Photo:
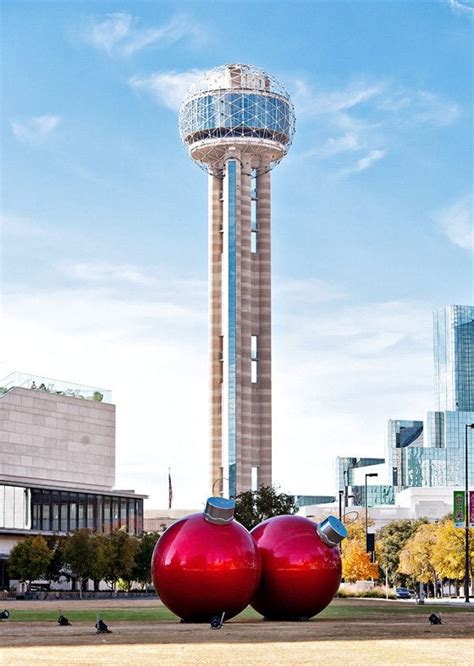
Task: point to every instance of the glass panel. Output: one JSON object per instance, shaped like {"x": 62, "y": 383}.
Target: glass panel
{"x": 73, "y": 516}
{"x": 55, "y": 516}
{"x": 123, "y": 512}
{"x": 139, "y": 513}
{"x": 63, "y": 513}
{"x": 81, "y": 512}
{"x": 115, "y": 514}
{"x": 90, "y": 512}
{"x": 131, "y": 517}
{"x": 46, "y": 517}
{"x": 107, "y": 515}
{"x": 99, "y": 520}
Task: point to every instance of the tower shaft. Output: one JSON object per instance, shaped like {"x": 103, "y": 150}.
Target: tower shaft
{"x": 240, "y": 327}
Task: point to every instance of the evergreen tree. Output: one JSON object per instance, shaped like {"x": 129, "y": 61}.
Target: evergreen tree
{"x": 254, "y": 506}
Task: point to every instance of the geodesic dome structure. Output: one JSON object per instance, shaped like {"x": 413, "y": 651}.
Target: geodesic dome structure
{"x": 237, "y": 110}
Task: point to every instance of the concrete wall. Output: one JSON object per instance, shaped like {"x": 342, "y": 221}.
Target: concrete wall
{"x": 58, "y": 440}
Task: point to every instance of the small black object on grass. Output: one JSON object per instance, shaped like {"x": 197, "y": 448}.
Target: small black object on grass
{"x": 435, "y": 619}
{"x": 4, "y": 615}
{"x": 217, "y": 622}
{"x": 63, "y": 621}
{"x": 102, "y": 628}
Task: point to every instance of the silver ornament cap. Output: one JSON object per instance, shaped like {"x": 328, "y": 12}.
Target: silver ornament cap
{"x": 331, "y": 531}
{"x": 219, "y": 510}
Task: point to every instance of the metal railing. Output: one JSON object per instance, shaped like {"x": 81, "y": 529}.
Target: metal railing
{"x": 57, "y": 386}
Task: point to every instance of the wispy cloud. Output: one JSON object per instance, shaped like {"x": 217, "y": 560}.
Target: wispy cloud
{"x": 36, "y": 128}
{"x": 456, "y": 222}
{"x": 364, "y": 116}
{"x": 102, "y": 271}
{"x": 366, "y": 162}
{"x": 309, "y": 101}
{"x": 459, "y": 7}
{"x": 167, "y": 88}
{"x": 419, "y": 107}
{"x": 120, "y": 33}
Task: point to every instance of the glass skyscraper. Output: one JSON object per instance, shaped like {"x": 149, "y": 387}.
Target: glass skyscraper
{"x": 453, "y": 346}
{"x": 432, "y": 454}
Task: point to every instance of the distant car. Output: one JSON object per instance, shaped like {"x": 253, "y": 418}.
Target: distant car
{"x": 402, "y": 593}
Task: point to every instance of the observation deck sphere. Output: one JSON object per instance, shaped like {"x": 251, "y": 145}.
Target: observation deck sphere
{"x": 237, "y": 111}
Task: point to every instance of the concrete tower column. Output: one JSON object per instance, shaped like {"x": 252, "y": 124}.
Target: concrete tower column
{"x": 262, "y": 319}
{"x": 215, "y": 231}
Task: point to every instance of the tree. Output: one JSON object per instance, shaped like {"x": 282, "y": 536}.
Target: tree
{"x": 253, "y": 506}
{"x": 356, "y": 563}
{"x": 390, "y": 541}
{"x": 448, "y": 554}
{"x": 141, "y": 570}
{"x": 79, "y": 555}
{"x": 116, "y": 555}
{"x": 29, "y": 560}
{"x": 56, "y": 566}
{"x": 416, "y": 558}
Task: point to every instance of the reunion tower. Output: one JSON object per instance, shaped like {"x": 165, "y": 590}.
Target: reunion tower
{"x": 237, "y": 122}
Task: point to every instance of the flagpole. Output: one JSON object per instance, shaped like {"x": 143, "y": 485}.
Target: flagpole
{"x": 170, "y": 490}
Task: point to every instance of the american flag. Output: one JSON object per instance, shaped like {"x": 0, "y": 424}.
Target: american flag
{"x": 170, "y": 489}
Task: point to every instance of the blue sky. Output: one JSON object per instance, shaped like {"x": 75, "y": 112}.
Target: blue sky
{"x": 104, "y": 243}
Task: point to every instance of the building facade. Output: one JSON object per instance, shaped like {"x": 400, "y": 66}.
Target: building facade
{"x": 237, "y": 122}
{"x": 453, "y": 347}
{"x": 57, "y": 463}
{"x": 432, "y": 454}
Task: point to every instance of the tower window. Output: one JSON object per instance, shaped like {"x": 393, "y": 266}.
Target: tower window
{"x": 254, "y": 347}
{"x": 253, "y": 371}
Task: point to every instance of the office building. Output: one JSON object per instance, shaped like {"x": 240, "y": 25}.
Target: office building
{"x": 237, "y": 122}
{"x": 57, "y": 463}
{"x": 453, "y": 347}
{"x": 432, "y": 454}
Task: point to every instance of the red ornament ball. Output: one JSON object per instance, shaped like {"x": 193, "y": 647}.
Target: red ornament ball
{"x": 301, "y": 566}
{"x": 206, "y": 564}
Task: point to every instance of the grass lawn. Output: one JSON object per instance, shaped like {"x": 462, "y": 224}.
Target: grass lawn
{"x": 354, "y": 631}
{"x": 339, "y": 609}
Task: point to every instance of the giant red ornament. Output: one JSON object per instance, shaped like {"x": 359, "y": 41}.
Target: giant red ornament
{"x": 301, "y": 566}
{"x": 206, "y": 564}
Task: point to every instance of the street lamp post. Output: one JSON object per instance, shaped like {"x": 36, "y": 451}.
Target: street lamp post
{"x": 341, "y": 495}
{"x": 348, "y": 497}
{"x": 466, "y": 554}
{"x": 366, "y": 507}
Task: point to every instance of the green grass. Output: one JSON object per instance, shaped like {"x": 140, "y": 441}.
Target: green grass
{"x": 340, "y": 609}
{"x": 130, "y": 614}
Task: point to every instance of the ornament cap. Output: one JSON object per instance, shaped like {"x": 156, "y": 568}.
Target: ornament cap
{"x": 219, "y": 510}
{"x": 331, "y": 531}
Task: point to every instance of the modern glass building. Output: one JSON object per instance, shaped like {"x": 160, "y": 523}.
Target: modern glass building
{"x": 402, "y": 435}
{"x": 350, "y": 479}
{"x": 237, "y": 123}
{"x": 430, "y": 454}
{"x": 453, "y": 347}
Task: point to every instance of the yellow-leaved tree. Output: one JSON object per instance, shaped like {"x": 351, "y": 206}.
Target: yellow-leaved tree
{"x": 416, "y": 558}
{"x": 449, "y": 551}
{"x": 356, "y": 563}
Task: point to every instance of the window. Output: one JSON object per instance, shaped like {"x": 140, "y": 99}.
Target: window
{"x": 254, "y": 481}
{"x": 253, "y": 242}
{"x": 253, "y": 372}
{"x": 253, "y": 347}
{"x": 254, "y": 359}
